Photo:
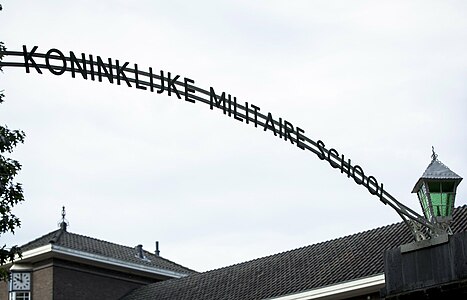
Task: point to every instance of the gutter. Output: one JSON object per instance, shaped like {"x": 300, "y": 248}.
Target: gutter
{"x": 372, "y": 284}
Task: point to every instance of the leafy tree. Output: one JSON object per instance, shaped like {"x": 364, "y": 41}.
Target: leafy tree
{"x": 11, "y": 193}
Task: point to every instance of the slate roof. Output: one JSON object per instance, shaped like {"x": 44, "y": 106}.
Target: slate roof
{"x": 344, "y": 259}
{"x": 438, "y": 171}
{"x": 94, "y": 246}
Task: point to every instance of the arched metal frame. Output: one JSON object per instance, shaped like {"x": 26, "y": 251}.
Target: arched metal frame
{"x": 420, "y": 227}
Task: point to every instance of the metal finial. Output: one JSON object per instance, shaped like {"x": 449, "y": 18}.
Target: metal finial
{"x": 63, "y": 223}
{"x": 434, "y": 156}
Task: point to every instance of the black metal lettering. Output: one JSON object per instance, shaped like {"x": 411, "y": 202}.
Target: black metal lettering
{"x": 247, "y": 113}
{"x": 288, "y": 130}
{"x": 343, "y": 164}
{"x": 162, "y": 88}
{"x": 300, "y": 138}
{"x": 151, "y": 80}
{"x": 62, "y": 69}
{"x": 321, "y": 147}
{"x": 381, "y": 190}
{"x": 236, "y": 117}
{"x": 120, "y": 72}
{"x": 333, "y": 151}
{"x": 354, "y": 176}
{"x": 270, "y": 124}
{"x": 138, "y": 86}
{"x": 256, "y": 109}
{"x": 280, "y": 127}
{"x": 375, "y": 182}
{"x": 81, "y": 68}
{"x": 108, "y": 72}
{"x": 28, "y": 57}
{"x": 91, "y": 65}
{"x": 171, "y": 85}
{"x": 213, "y": 100}
{"x": 189, "y": 89}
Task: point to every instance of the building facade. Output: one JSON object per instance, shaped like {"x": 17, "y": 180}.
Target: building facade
{"x": 64, "y": 265}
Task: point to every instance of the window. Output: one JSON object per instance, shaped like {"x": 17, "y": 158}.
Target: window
{"x": 20, "y": 296}
{"x": 442, "y": 197}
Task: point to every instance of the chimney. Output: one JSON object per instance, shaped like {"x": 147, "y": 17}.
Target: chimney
{"x": 140, "y": 252}
{"x": 157, "y": 252}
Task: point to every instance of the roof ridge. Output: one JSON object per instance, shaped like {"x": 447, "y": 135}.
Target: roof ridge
{"x": 96, "y": 239}
{"x": 129, "y": 248}
{"x": 39, "y": 238}
{"x": 56, "y": 237}
{"x": 168, "y": 260}
{"x": 104, "y": 241}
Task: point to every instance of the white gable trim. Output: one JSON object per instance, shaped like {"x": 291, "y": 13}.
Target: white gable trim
{"x": 375, "y": 282}
{"x": 35, "y": 252}
{"x": 51, "y": 249}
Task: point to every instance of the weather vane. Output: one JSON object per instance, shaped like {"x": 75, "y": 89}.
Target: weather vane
{"x": 64, "y": 222}
{"x": 434, "y": 156}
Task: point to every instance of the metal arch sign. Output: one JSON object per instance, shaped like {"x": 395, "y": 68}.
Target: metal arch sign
{"x": 117, "y": 72}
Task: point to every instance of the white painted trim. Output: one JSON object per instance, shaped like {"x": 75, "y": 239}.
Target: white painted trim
{"x": 21, "y": 267}
{"x": 334, "y": 290}
{"x": 35, "y": 252}
{"x": 54, "y": 249}
{"x": 114, "y": 262}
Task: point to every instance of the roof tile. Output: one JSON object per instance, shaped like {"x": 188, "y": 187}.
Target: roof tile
{"x": 94, "y": 246}
{"x": 315, "y": 266}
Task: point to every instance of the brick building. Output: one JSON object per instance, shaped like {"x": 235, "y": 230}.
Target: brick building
{"x": 64, "y": 265}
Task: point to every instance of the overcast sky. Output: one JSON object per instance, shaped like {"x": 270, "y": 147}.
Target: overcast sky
{"x": 380, "y": 81}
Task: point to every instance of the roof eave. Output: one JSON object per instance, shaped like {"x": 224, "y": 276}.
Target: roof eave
{"x": 346, "y": 289}
{"x": 420, "y": 181}
{"x": 55, "y": 251}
